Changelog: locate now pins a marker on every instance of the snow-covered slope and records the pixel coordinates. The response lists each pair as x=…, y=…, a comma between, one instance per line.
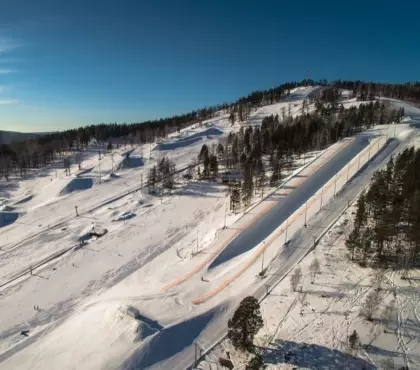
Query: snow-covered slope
x=98, y=290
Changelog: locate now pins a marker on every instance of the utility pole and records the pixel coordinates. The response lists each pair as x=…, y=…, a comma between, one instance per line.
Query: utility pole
x=335, y=184
x=195, y=354
x=141, y=180
x=99, y=169
x=224, y=226
x=267, y=287
x=306, y=211
x=287, y=226
x=197, y=241
x=262, y=260
x=348, y=171
x=322, y=193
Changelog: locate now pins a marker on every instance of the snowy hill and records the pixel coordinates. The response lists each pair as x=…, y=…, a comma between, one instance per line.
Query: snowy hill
x=92, y=260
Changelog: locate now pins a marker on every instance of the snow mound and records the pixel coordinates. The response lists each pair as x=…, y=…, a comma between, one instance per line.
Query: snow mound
x=144, y=327
x=188, y=139
x=111, y=176
x=211, y=131
x=131, y=162
x=175, y=144
x=6, y=208
x=125, y=216
x=91, y=232
x=302, y=92
x=77, y=184
x=24, y=200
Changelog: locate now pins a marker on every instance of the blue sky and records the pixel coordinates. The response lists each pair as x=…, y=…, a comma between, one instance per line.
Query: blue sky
x=71, y=63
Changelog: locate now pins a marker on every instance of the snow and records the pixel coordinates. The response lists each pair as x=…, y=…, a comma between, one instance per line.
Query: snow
x=104, y=305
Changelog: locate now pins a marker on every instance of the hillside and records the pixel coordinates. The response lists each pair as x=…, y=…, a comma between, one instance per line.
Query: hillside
x=7, y=137
x=146, y=248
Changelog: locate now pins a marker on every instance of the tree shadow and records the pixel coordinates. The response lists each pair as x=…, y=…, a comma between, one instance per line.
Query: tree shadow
x=382, y=352
x=312, y=356
x=324, y=294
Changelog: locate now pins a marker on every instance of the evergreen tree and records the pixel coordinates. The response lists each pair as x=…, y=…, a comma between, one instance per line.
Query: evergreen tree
x=354, y=242
x=232, y=118
x=248, y=184
x=214, y=165
x=361, y=213
x=204, y=156
x=353, y=340
x=245, y=323
x=256, y=363
x=152, y=177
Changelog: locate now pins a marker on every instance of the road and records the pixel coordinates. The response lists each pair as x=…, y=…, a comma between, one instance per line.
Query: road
x=209, y=327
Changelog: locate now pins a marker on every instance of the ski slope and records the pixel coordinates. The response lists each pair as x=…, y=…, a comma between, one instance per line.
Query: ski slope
x=109, y=292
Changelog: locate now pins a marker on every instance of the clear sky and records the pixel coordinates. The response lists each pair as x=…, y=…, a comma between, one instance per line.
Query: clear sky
x=70, y=63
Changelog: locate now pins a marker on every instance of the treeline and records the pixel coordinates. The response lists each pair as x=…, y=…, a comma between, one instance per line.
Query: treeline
x=278, y=139
x=41, y=151
x=369, y=90
x=387, y=220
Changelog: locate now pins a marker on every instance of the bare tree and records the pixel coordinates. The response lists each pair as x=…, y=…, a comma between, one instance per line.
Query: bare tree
x=388, y=314
x=79, y=159
x=295, y=278
x=67, y=164
x=314, y=269
x=5, y=167
x=371, y=303
x=378, y=278
x=374, y=333
x=388, y=364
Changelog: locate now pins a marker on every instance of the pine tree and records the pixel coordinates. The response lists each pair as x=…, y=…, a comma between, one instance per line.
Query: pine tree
x=361, y=212
x=353, y=243
x=245, y=323
x=256, y=363
x=354, y=341
x=232, y=118
x=248, y=184
x=152, y=177
x=204, y=156
x=214, y=165
x=371, y=303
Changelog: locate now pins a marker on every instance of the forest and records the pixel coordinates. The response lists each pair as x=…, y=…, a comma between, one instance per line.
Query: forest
x=279, y=139
x=387, y=220
x=41, y=151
